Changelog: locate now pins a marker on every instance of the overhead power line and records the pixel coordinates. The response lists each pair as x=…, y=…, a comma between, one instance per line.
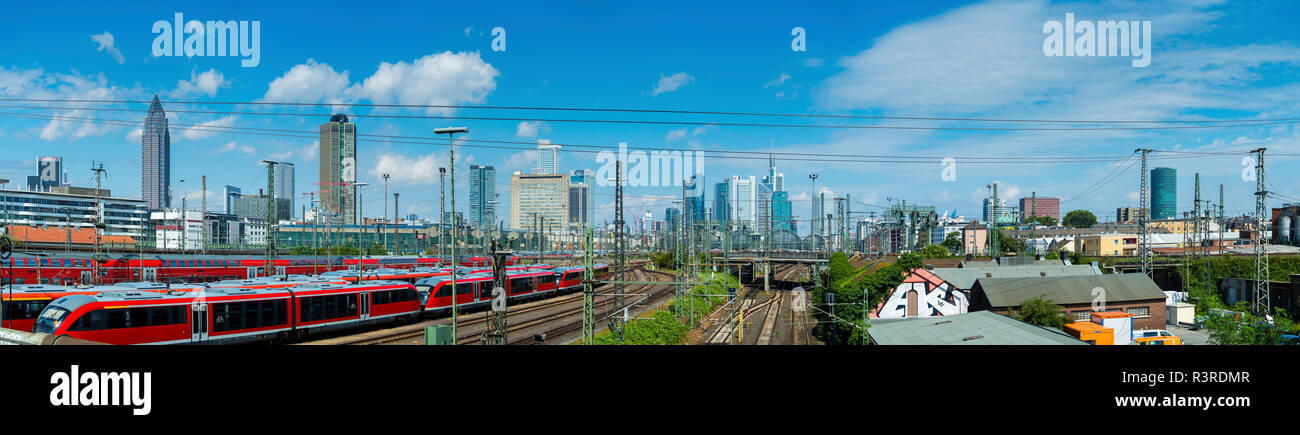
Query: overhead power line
x=1232, y=124
x=595, y=149
x=663, y=111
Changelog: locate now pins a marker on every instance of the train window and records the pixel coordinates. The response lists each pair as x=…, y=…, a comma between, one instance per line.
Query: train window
x=444, y=290
x=24, y=310
x=546, y=279
x=116, y=319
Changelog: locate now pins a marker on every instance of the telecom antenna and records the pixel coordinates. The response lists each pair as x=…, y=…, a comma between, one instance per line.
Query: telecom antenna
x=1144, y=216
x=1262, y=300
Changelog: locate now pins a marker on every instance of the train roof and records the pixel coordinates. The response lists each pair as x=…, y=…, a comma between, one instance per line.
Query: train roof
x=119, y=287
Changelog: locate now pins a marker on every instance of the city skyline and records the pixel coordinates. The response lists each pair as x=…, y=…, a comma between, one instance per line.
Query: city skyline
x=839, y=60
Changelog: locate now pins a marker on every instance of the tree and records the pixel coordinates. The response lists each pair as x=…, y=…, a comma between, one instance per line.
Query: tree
x=1041, y=220
x=846, y=327
x=934, y=251
x=1041, y=312
x=953, y=242
x=1011, y=244
x=1079, y=219
x=1245, y=328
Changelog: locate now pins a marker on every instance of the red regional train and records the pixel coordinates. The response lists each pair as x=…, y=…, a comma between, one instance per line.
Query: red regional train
x=80, y=268
x=475, y=289
x=228, y=314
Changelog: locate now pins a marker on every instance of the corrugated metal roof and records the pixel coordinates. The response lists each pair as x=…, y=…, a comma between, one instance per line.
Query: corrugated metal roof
x=980, y=327
x=964, y=278
x=1010, y=292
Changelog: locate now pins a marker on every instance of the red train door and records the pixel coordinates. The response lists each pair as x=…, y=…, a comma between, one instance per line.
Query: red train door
x=365, y=305
x=199, y=322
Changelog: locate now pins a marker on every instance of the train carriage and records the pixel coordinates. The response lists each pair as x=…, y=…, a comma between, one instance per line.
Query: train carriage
x=226, y=315
x=570, y=278
x=24, y=303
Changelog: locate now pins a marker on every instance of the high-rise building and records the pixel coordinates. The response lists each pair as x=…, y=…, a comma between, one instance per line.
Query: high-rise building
x=1040, y=206
x=230, y=193
x=543, y=197
x=816, y=221
x=782, y=218
x=254, y=207
x=1128, y=215
x=581, y=183
x=672, y=215
x=482, y=192
x=548, y=158
x=155, y=158
x=743, y=201
x=694, y=201
x=284, y=187
x=722, y=202
x=338, y=163
x=49, y=174
x=1004, y=212
x=1164, y=193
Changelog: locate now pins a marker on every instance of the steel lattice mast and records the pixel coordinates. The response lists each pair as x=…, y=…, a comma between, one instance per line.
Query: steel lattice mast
x=1261, y=255
x=620, y=255
x=270, y=217
x=497, y=315
x=1144, y=217
x=588, y=288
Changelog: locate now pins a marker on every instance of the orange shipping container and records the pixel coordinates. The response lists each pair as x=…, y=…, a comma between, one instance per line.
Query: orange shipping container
x=1091, y=333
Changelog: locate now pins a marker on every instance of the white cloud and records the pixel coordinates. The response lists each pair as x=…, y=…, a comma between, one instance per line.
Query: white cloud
x=232, y=146
x=521, y=160
x=36, y=83
x=671, y=83
x=530, y=129
x=134, y=136
x=675, y=135
x=442, y=79
x=422, y=170
x=311, y=82
x=105, y=41
x=813, y=62
x=205, y=83
x=778, y=80
x=437, y=79
x=208, y=128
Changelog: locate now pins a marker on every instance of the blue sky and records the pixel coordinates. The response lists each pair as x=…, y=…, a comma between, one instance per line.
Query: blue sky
x=1211, y=60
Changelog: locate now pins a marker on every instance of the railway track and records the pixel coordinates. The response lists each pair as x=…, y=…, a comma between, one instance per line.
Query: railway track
x=471, y=328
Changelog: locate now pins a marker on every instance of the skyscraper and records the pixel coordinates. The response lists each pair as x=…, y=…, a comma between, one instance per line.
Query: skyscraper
x=548, y=159
x=722, y=202
x=230, y=193
x=155, y=158
x=1164, y=193
x=482, y=191
x=581, y=195
x=816, y=221
x=539, y=196
x=742, y=201
x=284, y=187
x=338, y=163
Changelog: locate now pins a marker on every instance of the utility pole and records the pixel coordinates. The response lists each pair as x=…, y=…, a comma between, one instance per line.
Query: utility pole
x=496, y=314
x=270, y=217
x=994, y=238
x=620, y=255
x=1144, y=216
x=99, y=219
x=1262, y=299
x=442, y=213
x=588, y=288
x=397, y=235
x=815, y=201
x=451, y=157
x=385, y=235
x=203, y=234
